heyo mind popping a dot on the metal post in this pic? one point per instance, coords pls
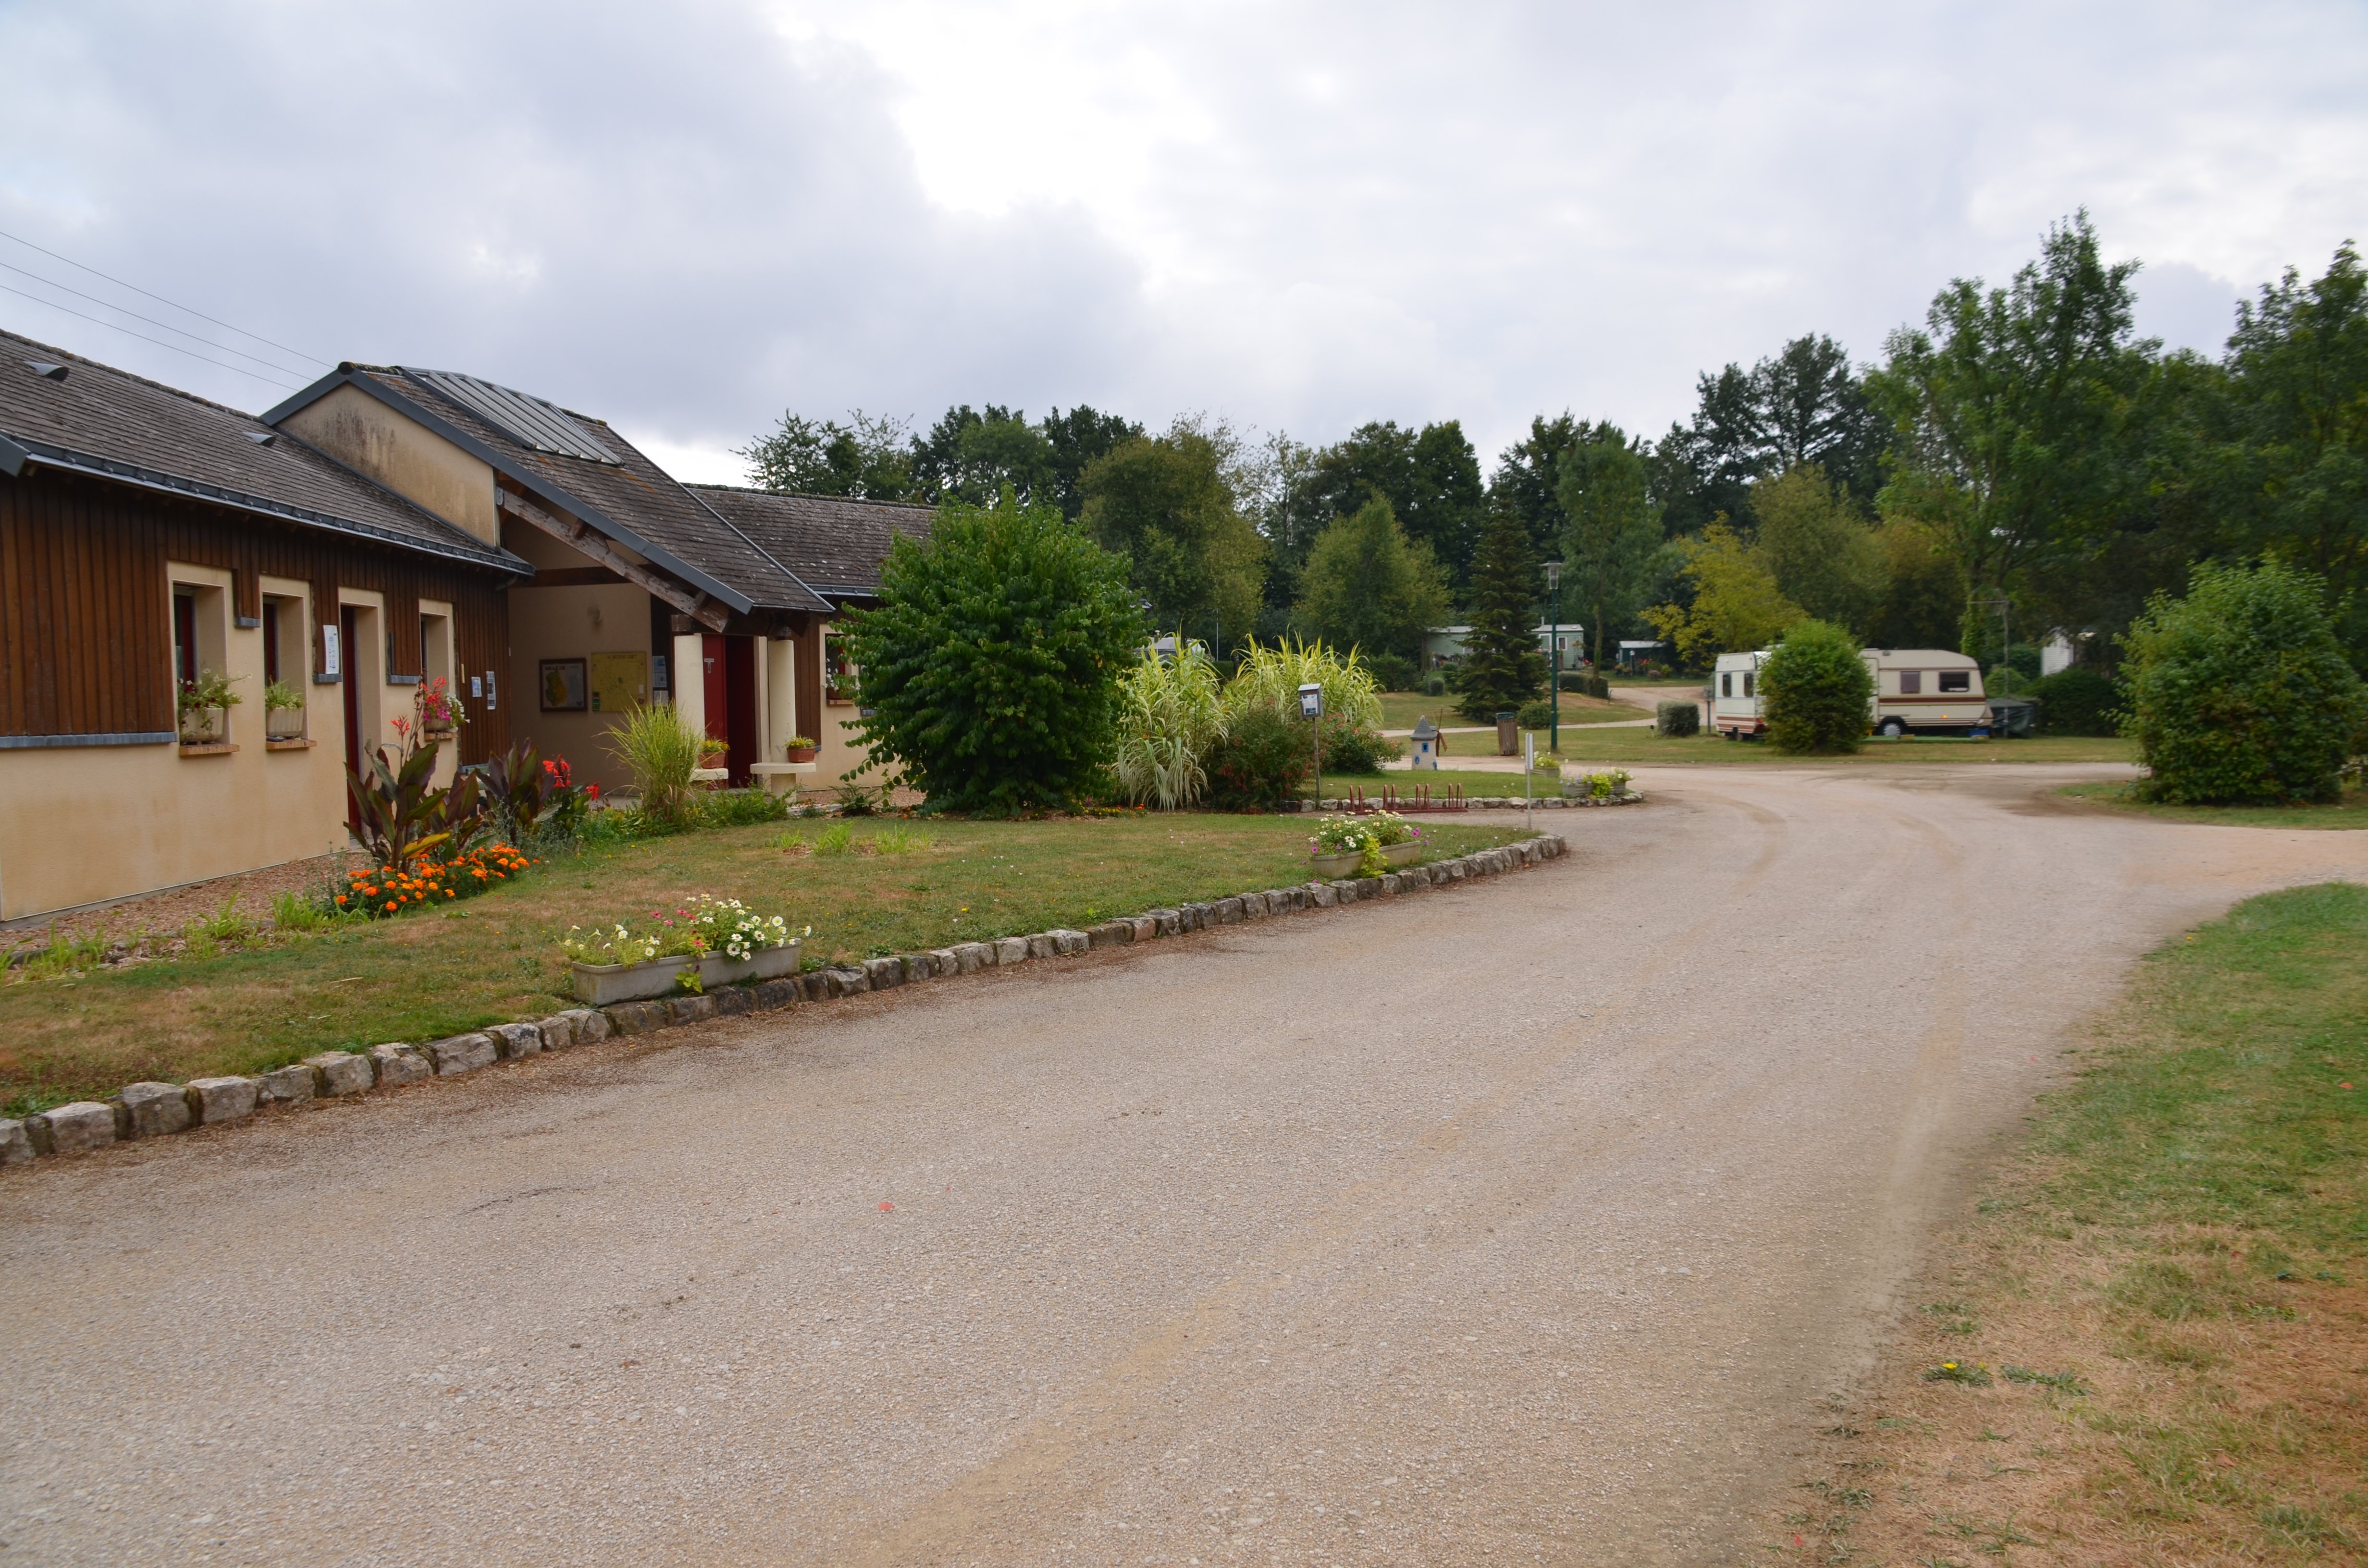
(1529, 764)
(1553, 661)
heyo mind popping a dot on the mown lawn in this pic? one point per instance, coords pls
(1401, 709)
(495, 958)
(1635, 747)
(2152, 1345)
(2352, 810)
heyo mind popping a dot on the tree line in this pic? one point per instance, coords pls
(2020, 458)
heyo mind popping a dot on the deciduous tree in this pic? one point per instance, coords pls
(1366, 585)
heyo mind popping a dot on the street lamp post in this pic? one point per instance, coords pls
(1554, 660)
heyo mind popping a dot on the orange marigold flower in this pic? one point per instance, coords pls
(341, 898)
(390, 909)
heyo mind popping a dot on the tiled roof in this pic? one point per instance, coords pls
(101, 421)
(835, 545)
(631, 500)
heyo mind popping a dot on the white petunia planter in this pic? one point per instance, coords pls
(599, 984)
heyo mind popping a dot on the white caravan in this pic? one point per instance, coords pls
(1925, 690)
(1735, 707)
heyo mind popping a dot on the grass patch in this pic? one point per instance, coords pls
(1401, 709)
(69, 1032)
(2170, 1280)
(2352, 810)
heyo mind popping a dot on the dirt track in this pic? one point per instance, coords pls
(1524, 1223)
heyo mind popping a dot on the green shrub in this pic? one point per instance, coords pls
(1261, 763)
(2077, 702)
(1391, 672)
(2239, 693)
(1818, 689)
(1586, 685)
(1357, 748)
(1434, 684)
(1537, 715)
(1678, 719)
(989, 671)
(736, 808)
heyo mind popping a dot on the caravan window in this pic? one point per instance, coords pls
(1748, 682)
(1910, 682)
(1956, 680)
(1727, 683)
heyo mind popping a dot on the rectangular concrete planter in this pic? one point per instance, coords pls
(602, 985)
(1402, 854)
(1327, 867)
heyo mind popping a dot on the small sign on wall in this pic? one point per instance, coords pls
(333, 655)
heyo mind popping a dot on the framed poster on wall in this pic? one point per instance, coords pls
(563, 685)
(619, 681)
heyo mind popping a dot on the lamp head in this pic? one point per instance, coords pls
(1553, 574)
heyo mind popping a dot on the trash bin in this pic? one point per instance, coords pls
(2012, 716)
(1508, 734)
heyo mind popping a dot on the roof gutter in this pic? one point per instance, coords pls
(349, 374)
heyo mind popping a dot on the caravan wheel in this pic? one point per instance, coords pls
(1893, 729)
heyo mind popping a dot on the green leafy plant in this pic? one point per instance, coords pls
(280, 698)
(2077, 701)
(898, 841)
(1971, 1374)
(1269, 676)
(836, 839)
(660, 748)
(1818, 690)
(294, 912)
(1678, 719)
(1168, 718)
(1357, 748)
(2240, 693)
(402, 813)
(989, 671)
(1260, 761)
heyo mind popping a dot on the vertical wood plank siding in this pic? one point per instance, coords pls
(86, 632)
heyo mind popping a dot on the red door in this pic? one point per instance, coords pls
(714, 684)
(740, 707)
(350, 690)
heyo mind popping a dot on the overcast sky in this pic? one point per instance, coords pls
(687, 218)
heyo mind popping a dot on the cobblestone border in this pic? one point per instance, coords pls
(157, 1110)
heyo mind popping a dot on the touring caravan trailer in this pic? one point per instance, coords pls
(1734, 708)
(1925, 691)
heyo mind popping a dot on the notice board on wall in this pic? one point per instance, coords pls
(619, 681)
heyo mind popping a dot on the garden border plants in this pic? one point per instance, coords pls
(158, 1109)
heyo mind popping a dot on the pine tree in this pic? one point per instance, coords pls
(1503, 666)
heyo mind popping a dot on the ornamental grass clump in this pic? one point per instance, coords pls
(1169, 716)
(661, 749)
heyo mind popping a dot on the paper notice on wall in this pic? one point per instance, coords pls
(619, 681)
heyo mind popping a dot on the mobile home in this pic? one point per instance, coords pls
(1735, 711)
(1925, 690)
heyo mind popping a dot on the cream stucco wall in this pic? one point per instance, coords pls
(83, 823)
(404, 455)
(568, 623)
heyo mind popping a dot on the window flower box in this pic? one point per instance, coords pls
(283, 723)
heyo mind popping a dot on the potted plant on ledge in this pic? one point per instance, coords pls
(283, 712)
(798, 748)
(204, 708)
(439, 713)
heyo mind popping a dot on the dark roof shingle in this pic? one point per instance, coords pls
(834, 544)
(632, 494)
(105, 422)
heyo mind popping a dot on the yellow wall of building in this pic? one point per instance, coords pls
(569, 623)
(409, 460)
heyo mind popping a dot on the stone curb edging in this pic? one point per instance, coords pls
(1482, 803)
(157, 1110)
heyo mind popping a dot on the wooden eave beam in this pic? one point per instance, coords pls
(709, 612)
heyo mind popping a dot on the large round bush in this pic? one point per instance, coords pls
(1818, 689)
(989, 671)
(2076, 702)
(1260, 761)
(2239, 692)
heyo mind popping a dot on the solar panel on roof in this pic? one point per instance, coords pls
(528, 420)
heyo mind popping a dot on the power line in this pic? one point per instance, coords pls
(95, 272)
(53, 304)
(135, 315)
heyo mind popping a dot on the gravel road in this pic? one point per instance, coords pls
(1525, 1224)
